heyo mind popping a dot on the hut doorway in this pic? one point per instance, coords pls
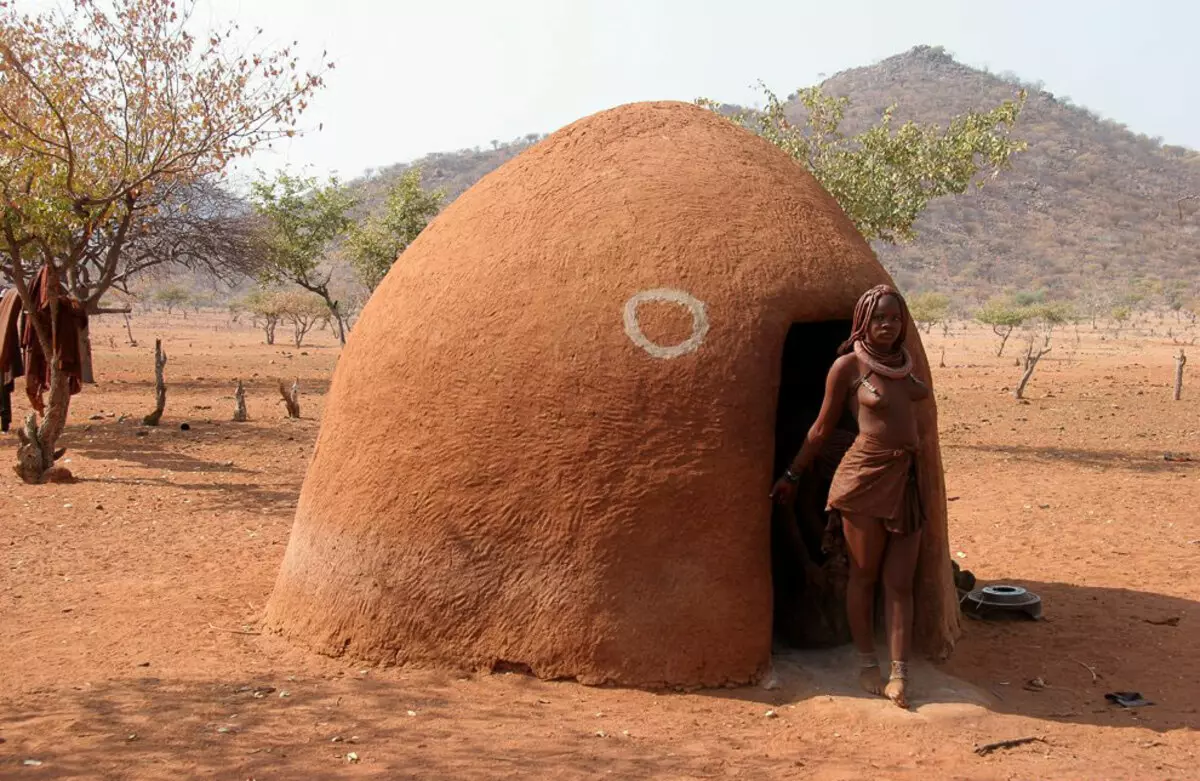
(809, 585)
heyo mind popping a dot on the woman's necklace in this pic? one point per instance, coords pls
(877, 366)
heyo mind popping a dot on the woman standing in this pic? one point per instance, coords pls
(874, 490)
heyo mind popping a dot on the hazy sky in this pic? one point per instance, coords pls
(419, 77)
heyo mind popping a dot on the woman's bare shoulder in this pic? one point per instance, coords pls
(845, 366)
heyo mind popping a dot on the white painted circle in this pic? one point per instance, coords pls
(694, 305)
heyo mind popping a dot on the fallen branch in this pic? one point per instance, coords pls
(232, 631)
(988, 748)
(1089, 668)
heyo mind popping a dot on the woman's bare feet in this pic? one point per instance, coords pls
(871, 680)
(896, 685)
(869, 676)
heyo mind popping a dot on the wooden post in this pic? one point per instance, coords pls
(1180, 362)
(291, 400)
(239, 413)
(129, 331)
(160, 386)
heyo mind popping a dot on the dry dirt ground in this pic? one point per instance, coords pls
(129, 602)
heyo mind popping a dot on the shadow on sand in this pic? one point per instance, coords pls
(1092, 641)
(149, 729)
(164, 449)
(1138, 461)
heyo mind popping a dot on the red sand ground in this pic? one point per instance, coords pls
(124, 598)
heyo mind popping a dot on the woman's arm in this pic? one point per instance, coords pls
(920, 391)
(837, 388)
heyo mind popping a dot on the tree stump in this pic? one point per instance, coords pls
(160, 386)
(239, 396)
(291, 399)
(34, 465)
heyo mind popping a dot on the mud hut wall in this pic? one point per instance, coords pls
(936, 622)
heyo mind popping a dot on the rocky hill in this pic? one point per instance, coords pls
(1088, 203)
(1090, 208)
(453, 172)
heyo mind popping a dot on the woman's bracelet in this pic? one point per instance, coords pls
(791, 476)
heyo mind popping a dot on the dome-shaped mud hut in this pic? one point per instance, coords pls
(550, 439)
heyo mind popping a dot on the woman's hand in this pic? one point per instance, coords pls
(785, 488)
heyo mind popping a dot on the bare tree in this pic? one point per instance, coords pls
(1031, 362)
(303, 310)
(111, 115)
(201, 226)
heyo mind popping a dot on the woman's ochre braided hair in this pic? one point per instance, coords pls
(864, 311)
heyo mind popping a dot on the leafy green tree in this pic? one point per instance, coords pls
(173, 297)
(302, 310)
(929, 308)
(236, 309)
(1003, 316)
(302, 218)
(1052, 314)
(1191, 310)
(201, 300)
(264, 309)
(1029, 297)
(1094, 301)
(1133, 299)
(113, 115)
(376, 242)
(1041, 318)
(1121, 315)
(1174, 295)
(351, 298)
(885, 176)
